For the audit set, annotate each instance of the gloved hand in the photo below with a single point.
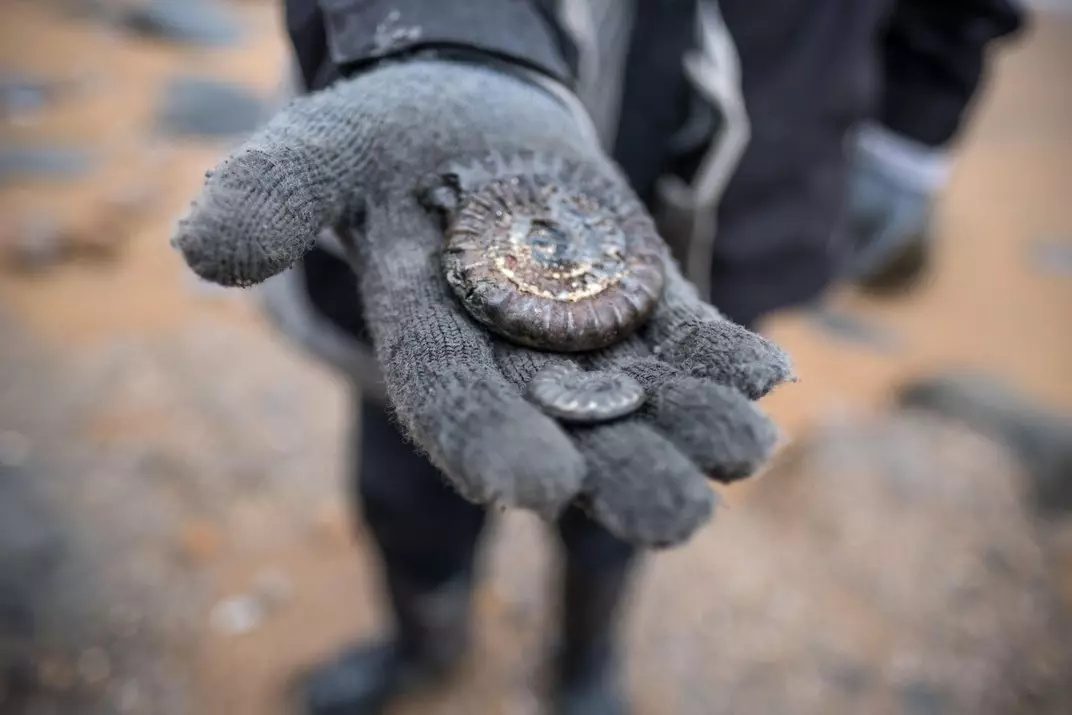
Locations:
(358, 156)
(893, 185)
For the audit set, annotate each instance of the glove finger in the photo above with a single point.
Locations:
(690, 334)
(262, 207)
(519, 365)
(640, 486)
(715, 426)
(442, 378)
(495, 446)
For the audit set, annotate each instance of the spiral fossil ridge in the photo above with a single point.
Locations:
(553, 260)
(585, 397)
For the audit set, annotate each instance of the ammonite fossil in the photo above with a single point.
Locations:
(551, 263)
(573, 395)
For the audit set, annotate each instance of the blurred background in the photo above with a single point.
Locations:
(173, 537)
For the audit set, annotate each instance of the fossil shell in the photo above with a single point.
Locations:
(552, 267)
(574, 395)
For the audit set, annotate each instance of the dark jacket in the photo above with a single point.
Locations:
(809, 71)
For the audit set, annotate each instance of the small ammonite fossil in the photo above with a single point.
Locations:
(573, 395)
(552, 267)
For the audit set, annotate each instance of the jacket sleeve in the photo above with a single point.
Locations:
(334, 38)
(935, 57)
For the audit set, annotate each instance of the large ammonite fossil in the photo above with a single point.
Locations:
(551, 266)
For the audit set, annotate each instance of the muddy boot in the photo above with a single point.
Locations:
(430, 640)
(587, 680)
(1040, 440)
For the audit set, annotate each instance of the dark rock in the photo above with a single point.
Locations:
(194, 22)
(31, 550)
(31, 543)
(848, 677)
(80, 9)
(35, 245)
(20, 94)
(1053, 256)
(49, 162)
(1041, 439)
(918, 698)
(853, 329)
(201, 106)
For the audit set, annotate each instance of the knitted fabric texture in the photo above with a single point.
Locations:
(359, 156)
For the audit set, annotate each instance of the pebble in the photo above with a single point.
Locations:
(273, 587)
(94, 666)
(21, 95)
(193, 22)
(1053, 256)
(40, 241)
(14, 448)
(128, 698)
(132, 199)
(55, 674)
(854, 329)
(208, 107)
(332, 524)
(920, 698)
(44, 162)
(125, 621)
(34, 245)
(237, 615)
(199, 541)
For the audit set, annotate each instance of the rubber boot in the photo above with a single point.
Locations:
(430, 639)
(586, 667)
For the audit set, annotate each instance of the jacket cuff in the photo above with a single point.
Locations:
(936, 58)
(362, 32)
(907, 161)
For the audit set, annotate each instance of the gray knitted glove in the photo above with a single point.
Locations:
(892, 190)
(360, 156)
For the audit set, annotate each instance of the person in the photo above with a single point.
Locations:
(935, 70)
(729, 119)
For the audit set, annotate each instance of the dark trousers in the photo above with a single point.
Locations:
(427, 534)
